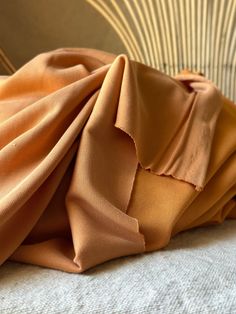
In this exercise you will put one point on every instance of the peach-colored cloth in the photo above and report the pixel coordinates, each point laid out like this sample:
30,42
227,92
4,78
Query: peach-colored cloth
102,157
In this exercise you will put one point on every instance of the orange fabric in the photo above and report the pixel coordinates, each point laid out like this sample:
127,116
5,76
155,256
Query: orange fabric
104,157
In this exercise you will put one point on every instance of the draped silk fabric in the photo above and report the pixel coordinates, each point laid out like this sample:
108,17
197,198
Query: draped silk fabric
102,157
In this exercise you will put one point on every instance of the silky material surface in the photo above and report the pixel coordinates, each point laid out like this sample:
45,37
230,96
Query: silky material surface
102,157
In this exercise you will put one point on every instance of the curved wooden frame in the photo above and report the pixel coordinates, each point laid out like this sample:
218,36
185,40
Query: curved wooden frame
172,35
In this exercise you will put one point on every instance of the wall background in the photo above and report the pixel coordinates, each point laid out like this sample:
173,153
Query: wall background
29,27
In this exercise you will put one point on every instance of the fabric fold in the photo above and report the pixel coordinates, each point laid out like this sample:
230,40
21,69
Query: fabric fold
103,157
184,122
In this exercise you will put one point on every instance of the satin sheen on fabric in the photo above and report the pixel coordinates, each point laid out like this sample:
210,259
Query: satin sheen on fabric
102,157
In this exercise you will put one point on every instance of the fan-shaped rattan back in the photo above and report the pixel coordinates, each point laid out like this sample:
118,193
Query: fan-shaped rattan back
172,35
